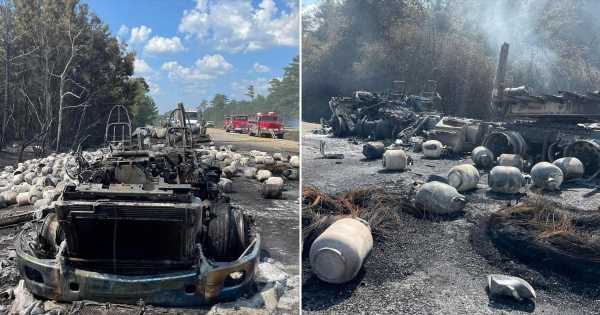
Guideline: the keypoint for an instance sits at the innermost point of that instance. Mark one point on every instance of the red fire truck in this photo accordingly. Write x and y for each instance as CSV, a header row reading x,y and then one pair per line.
x,y
261,124
236,123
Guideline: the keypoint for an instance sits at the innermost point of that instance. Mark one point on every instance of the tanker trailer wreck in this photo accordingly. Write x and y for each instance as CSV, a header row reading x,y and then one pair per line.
x,y
141,226
544,127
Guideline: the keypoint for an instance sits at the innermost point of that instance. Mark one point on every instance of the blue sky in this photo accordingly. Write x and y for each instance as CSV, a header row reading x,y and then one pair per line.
x,y
189,50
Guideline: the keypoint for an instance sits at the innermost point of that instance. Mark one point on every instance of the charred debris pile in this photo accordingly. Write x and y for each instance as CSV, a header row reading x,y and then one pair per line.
x,y
94,216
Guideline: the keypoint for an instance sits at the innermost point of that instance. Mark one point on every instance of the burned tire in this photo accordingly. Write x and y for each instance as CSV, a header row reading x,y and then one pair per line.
x,y
228,233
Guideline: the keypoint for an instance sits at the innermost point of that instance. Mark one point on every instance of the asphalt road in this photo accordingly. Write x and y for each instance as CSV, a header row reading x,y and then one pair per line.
x,y
246,143
432,267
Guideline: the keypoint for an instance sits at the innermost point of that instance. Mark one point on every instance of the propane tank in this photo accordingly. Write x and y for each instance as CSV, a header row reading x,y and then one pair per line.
x,y
482,157
10,197
269,160
395,160
259,159
547,176
511,160
226,185
439,198
24,199
571,167
432,149
337,255
250,172
507,179
272,187
373,150
295,161
463,177
263,175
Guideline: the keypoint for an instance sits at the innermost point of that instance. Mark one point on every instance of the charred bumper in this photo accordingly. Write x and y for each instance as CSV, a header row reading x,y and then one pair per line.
x,y
205,284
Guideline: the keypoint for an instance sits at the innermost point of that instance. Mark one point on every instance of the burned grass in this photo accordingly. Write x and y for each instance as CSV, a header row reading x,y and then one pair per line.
x,y
374,205
543,234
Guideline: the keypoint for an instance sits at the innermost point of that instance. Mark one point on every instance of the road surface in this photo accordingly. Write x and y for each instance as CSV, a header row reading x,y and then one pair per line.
x,y
246,143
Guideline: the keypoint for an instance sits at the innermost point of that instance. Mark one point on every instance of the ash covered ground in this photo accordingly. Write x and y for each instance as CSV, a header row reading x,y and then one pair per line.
x,y
433,266
278,275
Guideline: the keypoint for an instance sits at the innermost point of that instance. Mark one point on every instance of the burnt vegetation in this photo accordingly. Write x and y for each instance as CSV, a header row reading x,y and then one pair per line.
x,y
549,237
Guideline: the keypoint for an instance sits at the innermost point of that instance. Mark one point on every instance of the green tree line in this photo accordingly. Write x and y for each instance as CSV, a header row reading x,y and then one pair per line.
x,y
282,98
352,45
62,72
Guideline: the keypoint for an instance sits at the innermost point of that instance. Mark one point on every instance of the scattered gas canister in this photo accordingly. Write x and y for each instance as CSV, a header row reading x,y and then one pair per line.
x,y
439,198
337,255
373,150
547,176
463,177
507,179
511,160
571,167
432,149
483,157
395,160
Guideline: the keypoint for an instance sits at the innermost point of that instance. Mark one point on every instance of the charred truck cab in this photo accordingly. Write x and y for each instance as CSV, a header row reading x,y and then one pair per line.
x,y
141,226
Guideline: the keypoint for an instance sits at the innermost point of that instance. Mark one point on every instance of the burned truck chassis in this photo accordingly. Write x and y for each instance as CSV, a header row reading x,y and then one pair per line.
x,y
140,227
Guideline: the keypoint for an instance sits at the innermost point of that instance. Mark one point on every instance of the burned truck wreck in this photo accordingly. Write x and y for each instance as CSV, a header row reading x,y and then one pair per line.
x,y
535,127
140,226
379,116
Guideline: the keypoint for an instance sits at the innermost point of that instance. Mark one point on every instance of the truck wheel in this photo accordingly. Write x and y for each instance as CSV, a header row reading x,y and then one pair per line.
x,y
280,136
228,233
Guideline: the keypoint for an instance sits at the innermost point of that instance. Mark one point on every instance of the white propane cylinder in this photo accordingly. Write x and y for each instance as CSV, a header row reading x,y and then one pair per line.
x,y
395,160
439,198
337,255
10,197
263,175
269,160
23,199
272,187
432,149
250,172
226,185
483,157
463,177
295,161
571,167
506,179
547,176
511,160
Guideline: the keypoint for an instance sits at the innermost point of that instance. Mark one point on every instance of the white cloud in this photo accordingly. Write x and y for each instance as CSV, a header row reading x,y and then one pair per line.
x,y
140,67
215,64
237,25
204,69
161,45
139,34
261,68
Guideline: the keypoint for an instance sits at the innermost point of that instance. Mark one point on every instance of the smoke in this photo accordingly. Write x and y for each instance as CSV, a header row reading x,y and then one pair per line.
x,y
532,60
